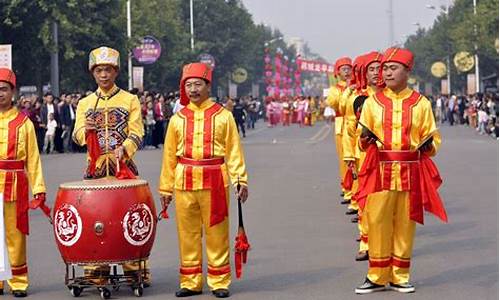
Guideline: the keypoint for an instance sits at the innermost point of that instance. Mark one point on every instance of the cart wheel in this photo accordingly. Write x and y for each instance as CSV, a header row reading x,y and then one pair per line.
x,y
105,293
138,291
75,291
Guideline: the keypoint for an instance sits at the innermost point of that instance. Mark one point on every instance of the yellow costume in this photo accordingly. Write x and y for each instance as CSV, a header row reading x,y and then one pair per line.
x,y
350,140
334,100
119,122
197,136
19,157
407,120
118,119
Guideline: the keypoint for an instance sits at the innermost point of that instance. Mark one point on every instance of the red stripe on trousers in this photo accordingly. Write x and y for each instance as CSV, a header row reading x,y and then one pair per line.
x,y
190,271
400,263
380,264
20,270
219,271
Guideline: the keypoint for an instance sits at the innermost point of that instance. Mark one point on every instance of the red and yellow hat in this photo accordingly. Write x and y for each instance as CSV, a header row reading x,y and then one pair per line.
x,y
399,55
193,70
357,66
342,62
8,76
370,58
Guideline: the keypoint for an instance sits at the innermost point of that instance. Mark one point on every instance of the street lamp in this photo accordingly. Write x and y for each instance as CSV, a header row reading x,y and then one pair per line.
x,y
273,40
446,10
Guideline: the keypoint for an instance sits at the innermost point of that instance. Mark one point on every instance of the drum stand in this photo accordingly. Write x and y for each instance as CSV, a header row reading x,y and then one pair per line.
x,y
105,282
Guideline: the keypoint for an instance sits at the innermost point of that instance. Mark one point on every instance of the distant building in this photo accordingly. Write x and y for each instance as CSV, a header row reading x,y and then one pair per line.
x,y
299,45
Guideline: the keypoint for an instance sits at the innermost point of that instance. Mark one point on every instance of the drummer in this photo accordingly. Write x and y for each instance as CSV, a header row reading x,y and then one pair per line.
x,y
114,115
19,162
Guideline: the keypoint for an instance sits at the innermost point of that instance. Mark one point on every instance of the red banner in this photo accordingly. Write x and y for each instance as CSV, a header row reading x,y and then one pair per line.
x,y
315,66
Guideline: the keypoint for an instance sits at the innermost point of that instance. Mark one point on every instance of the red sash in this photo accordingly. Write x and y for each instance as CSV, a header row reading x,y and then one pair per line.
x,y
212,167
425,181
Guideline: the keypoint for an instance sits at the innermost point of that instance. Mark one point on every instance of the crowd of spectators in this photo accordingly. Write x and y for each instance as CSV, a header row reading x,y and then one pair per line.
x,y
54,117
479,111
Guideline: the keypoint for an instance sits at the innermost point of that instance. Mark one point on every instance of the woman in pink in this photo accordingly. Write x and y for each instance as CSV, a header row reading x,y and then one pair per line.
x,y
301,112
269,112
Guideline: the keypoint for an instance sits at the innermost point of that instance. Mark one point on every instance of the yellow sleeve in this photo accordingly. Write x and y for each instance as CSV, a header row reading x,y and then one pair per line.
x,y
169,162
333,98
33,162
366,118
235,159
135,128
349,134
428,126
343,100
79,129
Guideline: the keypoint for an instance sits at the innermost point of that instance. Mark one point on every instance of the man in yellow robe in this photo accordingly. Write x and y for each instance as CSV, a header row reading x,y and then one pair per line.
x,y
403,140
343,70
115,116
202,156
367,71
20,168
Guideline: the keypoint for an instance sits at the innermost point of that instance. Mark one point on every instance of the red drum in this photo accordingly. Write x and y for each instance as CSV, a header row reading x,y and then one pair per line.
x,y
104,221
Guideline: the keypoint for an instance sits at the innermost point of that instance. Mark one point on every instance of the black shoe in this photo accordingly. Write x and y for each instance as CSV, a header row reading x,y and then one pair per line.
x,y
184,292
19,294
362,255
342,194
369,287
351,211
402,287
358,239
221,293
345,201
355,219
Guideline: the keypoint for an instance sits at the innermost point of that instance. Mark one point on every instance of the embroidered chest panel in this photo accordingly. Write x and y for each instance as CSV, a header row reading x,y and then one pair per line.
x,y
116,123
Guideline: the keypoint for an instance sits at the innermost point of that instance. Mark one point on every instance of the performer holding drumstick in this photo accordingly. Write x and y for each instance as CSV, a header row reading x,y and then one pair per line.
x,y
109,122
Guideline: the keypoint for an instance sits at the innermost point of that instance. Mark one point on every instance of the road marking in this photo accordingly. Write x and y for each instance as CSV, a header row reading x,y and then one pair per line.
x,y
314,137
320,136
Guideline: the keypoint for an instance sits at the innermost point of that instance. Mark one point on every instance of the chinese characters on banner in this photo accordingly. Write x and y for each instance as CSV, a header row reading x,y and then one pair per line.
x,y
315,66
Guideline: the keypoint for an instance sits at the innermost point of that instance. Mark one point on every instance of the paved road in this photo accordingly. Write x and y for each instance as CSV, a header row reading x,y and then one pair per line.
x,y
303,244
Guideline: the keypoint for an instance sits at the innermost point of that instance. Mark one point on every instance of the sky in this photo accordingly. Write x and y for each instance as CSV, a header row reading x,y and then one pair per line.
x,y
334,28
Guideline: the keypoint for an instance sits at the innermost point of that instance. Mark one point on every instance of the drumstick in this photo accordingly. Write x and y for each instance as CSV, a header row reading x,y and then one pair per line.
x,y
117,165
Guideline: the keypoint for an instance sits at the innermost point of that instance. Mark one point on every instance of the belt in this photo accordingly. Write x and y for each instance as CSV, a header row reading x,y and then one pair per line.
x,y
200,162
12,165
399,156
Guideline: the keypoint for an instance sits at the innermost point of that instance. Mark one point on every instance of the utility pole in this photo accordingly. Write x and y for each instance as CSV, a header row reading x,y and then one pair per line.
x,y
476,57
192,23
391,24
129,35
54,61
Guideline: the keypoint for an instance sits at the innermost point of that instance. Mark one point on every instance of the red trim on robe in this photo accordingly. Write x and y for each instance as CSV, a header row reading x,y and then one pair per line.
x,y
406,123
387,126
22,201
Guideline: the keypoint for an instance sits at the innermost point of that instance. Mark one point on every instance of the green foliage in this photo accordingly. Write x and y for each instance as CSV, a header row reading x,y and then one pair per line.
x,y
223,28
458,31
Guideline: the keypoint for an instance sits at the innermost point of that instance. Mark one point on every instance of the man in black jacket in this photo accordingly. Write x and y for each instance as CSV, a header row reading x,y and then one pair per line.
x,y
239,114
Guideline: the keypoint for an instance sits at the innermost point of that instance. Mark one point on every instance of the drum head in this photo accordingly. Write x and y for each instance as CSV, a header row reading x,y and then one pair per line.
x,y
103,184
